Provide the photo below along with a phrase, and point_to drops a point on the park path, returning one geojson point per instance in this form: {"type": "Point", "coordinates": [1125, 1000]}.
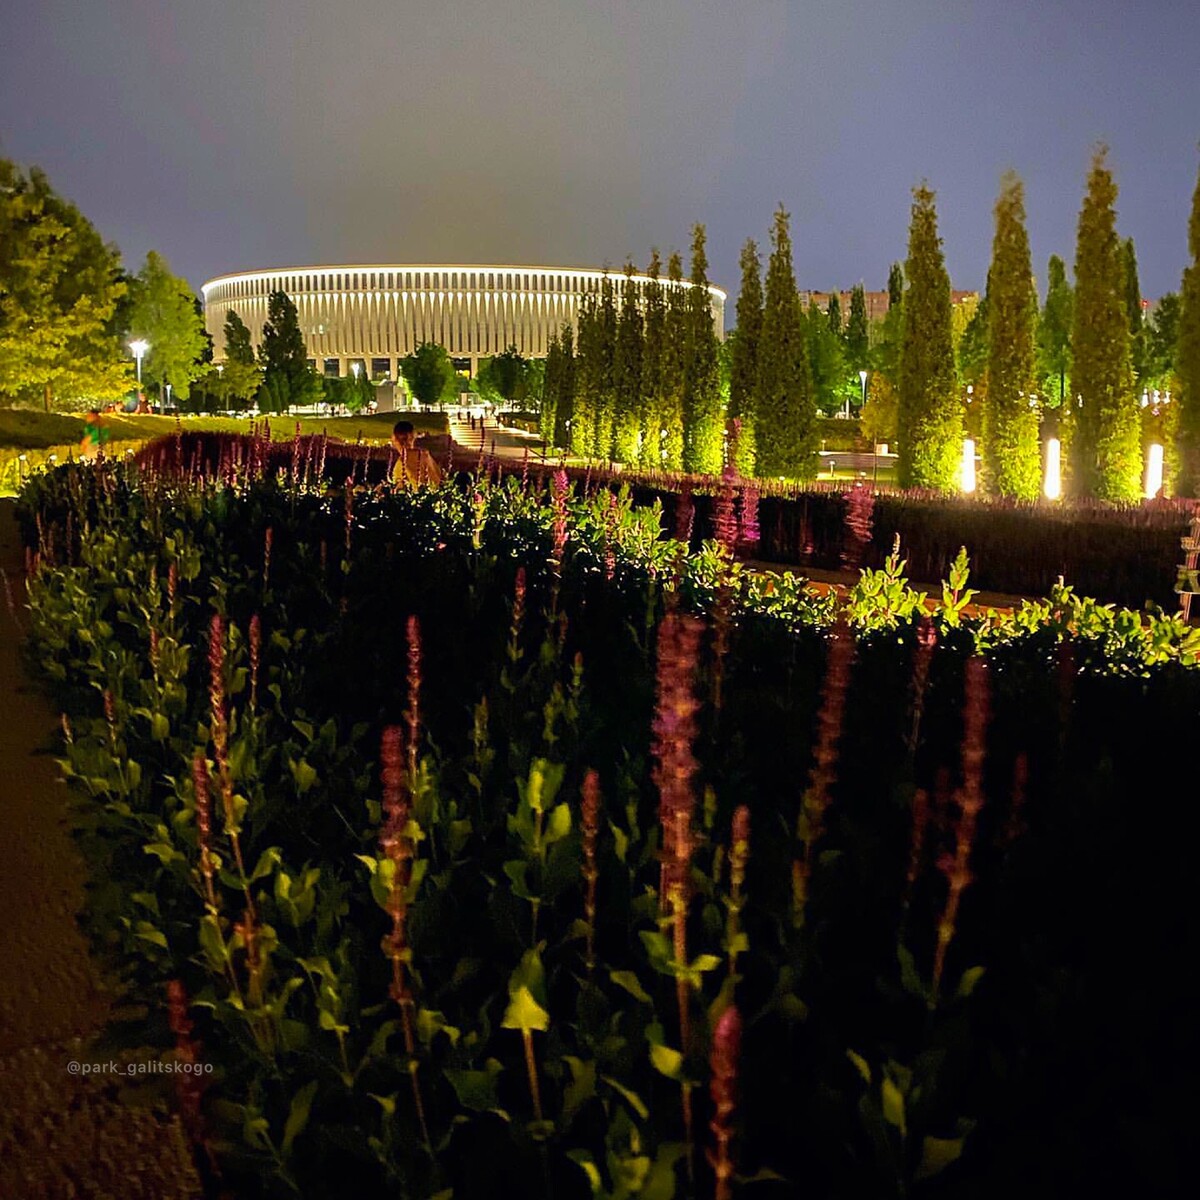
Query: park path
{"type": "Point", "coordinates": [62, 1135]}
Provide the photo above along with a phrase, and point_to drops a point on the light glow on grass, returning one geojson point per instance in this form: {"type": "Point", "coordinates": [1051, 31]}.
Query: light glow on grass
{"type": "Point", "coordinates": [967, 471]}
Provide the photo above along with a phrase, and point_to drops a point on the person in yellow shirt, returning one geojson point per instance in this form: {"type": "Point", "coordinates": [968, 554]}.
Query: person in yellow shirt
{"type": "Point", "coordinates": [415, 466]}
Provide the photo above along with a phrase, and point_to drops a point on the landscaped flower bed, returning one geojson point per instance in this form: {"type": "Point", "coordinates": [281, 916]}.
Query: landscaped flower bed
{"type": "Point", "coordinates": [482, 841]}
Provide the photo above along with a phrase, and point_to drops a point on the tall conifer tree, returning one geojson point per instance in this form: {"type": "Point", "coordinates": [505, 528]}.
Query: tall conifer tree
{"type": "Point", "coordinates": [834, 314]}
{"type": "Point", "coordinates": [858, 333]}
{"type": "Point", "coordinates": [606, 347]}
{"type": "Point", "coordinates": [653, 352]}
{"type": "Point", "coordinates": [550, 385]}
{"type": "Point", "coordinates": [743, 370]}
{"type": "Point", "coordinates": [1105, 440]}
{"type": "Point", "coordinates": [1139, 333]}
{"type": "Point", "coordinates": [674, 365]}
{"type": "Point", "coordinates": [564, 390]}
{"type": "Point", "coordinates": [895, 286]}
{"type": "Point", "coordinates": [627, 372]}
{"type": "Point", "coordinates": [1011, 454]}
{"type": "Point", "coordinates": [784, 407]}
{"type": "Point", "coordinates": [589, 377]}
{"type": "Point", "coordinates": [287, 379]}
{"type": "Point", "coordinates": [1187, 358]}
{"type": "Point", "coordinates": [930, 427]}
{"type": "Point", "coordinates": [702, 431]}
{"type": "Point", "coordinates": [1054, 333]}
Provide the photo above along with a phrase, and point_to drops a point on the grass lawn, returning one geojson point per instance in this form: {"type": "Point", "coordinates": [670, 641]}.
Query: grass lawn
{"type": "Point", "coordinates": [37, 435]}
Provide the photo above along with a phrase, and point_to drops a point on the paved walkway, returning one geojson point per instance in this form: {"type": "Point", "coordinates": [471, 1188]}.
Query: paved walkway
{"type": "Point", "coordinates": [62, 1135]}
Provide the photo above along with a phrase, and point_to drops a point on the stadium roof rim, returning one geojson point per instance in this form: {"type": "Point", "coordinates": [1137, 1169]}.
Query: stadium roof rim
{"type": "Point", "coordinates": [325, 267]}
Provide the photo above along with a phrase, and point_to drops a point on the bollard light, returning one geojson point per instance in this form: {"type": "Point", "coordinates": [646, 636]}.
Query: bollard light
{"type": "Point", "coordinates": [1052, 485]}
{"type": "Point", "coordinates": [1154, 470]}
{"type": "Point", "coordinates": [967, 476]}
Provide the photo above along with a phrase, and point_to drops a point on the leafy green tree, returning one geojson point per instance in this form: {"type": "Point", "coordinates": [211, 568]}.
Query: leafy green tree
{"type": "Point", "coordinates": [654, 351]}
{"type": "Point", "coordinates": [1139, 334]}
{"type": "Point", "coordinates": [1163, 342]}
{"type": "Point", "coordinates": [858, 333]}
{"type": "Point", "coordinates": [784, 406]}
{"type": "Point", "coordinates": [930, 427]}
{"type": "Point", "coordinates": [1054, 334]}
{"type": "Point", "coordinates": [702, 426]}
{"type": "Point", "coordinates": [1011, 452]}
{"type": "Point", "coordinates": [827, 361]}
{"type": "Point", "coordinates": [673, 367]}
{"type": "Point", "coordinates": [1105, 449]}
{"type": "Point", "coordinates": [428, 373]}
{"type": "Point", "coordinates": [1187, 359]}
{"type": "Point", "coordinates": [627, 373]}
{"type": "Point", "coordinates": [743, 363]}
{"type": "Point", "coordinates": [60, 291]}
{"type": "Point", "coordinates": [503, 375]}
{"type": "Point", "coordinates": [287, 378]}
{"type": "Point", "coordinates": [241, 376]}
{"type": "Point", "coordinates": [534, 385]}
{"type": "Point", "coordinates": [163, 311]}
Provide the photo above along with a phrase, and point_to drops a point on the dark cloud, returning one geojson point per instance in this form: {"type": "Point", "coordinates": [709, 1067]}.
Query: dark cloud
{"type": "Point", "coordinates": [232, 135]}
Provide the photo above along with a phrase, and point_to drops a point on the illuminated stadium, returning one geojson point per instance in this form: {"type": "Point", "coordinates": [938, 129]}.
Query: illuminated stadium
{"type": "Point", "coordinates": [375, 315]}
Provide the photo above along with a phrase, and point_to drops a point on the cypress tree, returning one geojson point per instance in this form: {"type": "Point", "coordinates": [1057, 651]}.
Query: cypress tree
{"type": "Point", "coordinates": [858, 334]}
{"type": "Point", "coordinates": [1138, 339]}
{"type": "Point", "coordinates": [1054, 333]}
{"type": "Point", "coordinates": [744, 354]}
{"type": "Point", "coordinates": [627, 373]}
{"type": "Point", "coordinates": [784, 407]}
{"type": "Point", "coordinates": [895, 288]}
{"type": "Point", "coordinates": [674, 364]}
{"type": "Point", "coordinates": [564, 391]}
{"type": "Point", "coordinates": [1187, 358]}
{"type": "Point", "coordinates": [702, 431]}
{"type": "Point", "coordinates": [286, 375]}
{"type": "Point", "coordinates": [240, 378]}
{"type": "Point", "coordinates": [930, 426]}
{"type": "Point", "coordinates": [550, 386]}
{"type": "Point", "coordinates": [606, 353]}
{"type": "Point", "coordinates": [834, 315]}
{"type": "Point", "coordinates": [1105, 451]}
{"type": "Point", "coordinates": [653, 351]}
{"type": "Point", "coordinates": [588, 377]}
{"type": "Point", "coordinates": [1011, 453]}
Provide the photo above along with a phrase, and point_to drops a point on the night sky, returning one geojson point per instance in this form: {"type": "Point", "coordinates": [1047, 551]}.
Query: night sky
{"type": "Point", "coordinates": [570, 132]}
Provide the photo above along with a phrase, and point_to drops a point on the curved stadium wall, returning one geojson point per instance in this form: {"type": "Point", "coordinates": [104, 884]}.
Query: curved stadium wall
{"type": "Point", "coordinates": [378, 314]}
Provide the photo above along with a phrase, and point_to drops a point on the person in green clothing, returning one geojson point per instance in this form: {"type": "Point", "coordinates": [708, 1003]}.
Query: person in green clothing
{"type": "Point", "coordinates": [94, 434]}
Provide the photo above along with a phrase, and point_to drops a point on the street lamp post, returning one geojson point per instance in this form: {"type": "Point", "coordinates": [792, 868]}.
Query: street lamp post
{"type": "Point", "coordinates": [139, 346]}
{"type": "Point", "coordinates": [862, 378]}
{"type": "Point", "coordinates": [168, 395]}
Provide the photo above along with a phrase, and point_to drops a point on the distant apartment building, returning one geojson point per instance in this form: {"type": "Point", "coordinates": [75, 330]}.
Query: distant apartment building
{"type": "Point", "coordinates": [877, 302]}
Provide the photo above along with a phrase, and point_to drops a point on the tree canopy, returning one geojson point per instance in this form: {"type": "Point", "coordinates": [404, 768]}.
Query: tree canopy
{"type": "Point", "coordinates": [60, 287]}
{"type": "Point", "coordinates": [163, 312]}
{"type": "Point", "coordinates": [428, 372]}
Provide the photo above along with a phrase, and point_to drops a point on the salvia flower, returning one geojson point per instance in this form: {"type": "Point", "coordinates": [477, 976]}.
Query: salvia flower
{"type": "Point", "coordinates": [558, 504]}
{"type": "Point", "coordinates": [590, 825]}
{"type": "Point", "coordinates": [189, 1084]}
{"type": "Point", "coordinates": [723, 1065]}
{"type": "Point", "coordinates": [956, 867]}
{"type": "Point", "coordinates": [749, 534]}
{"type": "Point", "coordinates": [412, 714]}
{"type": "Point", "coordinates": [739, 857]}
{"type": "Point", "coordinates": [811, 822]}
{"type": "Point", "coordinates": [255, 657]}
{"type": "Point", "coordinates": [859, 519]}
{"type": "Point", "coordinates": [268, 537]}
{"type": "Point", "coordinates": [204, 826]}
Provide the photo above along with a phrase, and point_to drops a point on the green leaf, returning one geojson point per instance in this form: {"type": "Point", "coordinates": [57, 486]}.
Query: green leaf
{"type": "Point", "coordinates": [893, 1105]}
{"type": "Point", "coordinates": [476, 1090]}
{"type": "Point", "coordinates": [268, 859]}
{"type": "Point", "coordinates": [148, 933]}
{"type": "Point", "coordinates": [581, 1088]}
{"type": "Point", "coordinates": [297, 1117]}
{"type": "Point", "coordinates": [631, 1097]}
{"type": "Point", "coordinates": [666, 1061]}
{"type": "Point", "coordinates": [970, 977]}
{"type": "Point", "coordinates": [629, 981]}
{"type": "Point", "coordinates": [559, 824]}
{"type": "Point", "coordinates": [304, 775]}
{"type": "Point", "coordinates": [937, 1154]}
{"type": "Point", "coordinates": [863, 1066]}
{"type": "Point", "coordinates": [525, 1013]}
{"type": "Point", "coordinates": [160, 727]}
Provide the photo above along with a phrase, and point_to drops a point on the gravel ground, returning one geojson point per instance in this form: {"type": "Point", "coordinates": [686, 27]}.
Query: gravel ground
{"type": "Point", "coordinates": [62, 1135]}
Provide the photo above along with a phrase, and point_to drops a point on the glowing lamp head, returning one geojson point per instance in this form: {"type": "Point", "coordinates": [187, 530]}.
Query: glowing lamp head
{"type": "Point", "coordinates": [1052, 485]}
{"type": "Point", "coordinates": [139, 346]}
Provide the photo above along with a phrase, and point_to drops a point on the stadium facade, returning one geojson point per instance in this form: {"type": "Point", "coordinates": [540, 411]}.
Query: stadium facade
{"type": "Point", "coordinates": [375, 315]}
